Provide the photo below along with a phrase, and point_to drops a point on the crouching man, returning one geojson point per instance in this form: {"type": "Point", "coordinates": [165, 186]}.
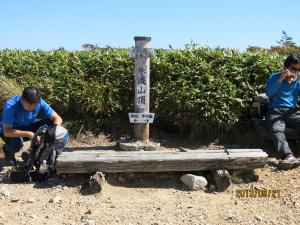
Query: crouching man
{"type": "Point", "coordinates": [19, 121]}
{"type": "Point", "coordinates": [283, 89]}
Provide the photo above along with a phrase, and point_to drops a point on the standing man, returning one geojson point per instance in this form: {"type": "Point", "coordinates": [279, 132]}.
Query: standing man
{"type": "Point", "coordinates": [19, 121]}
{"type": "Point", "coordinates": [283, 89]}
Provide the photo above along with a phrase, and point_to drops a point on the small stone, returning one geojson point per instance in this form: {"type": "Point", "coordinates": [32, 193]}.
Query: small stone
{"type": "Point", "coordinates": [86, 220]}
{"type": "Point", "coordinates": [31, 200]}
{"type": "Point", "coordinates": [64, 187]}
{"type": "Point", "coordinates": [15, 200]}
{"type": "Point", "coordinates": [133, 145]}
{"type": "Point", "coordinates": [194, 182]}
{"type": "Point", "coordinates": [113, 206]}
{"type": "Point", "coordinates": [296, 204]}
{"type": "Point", "coordinates": [34, 216]}
{"type": "Point", "coordinates": [89, 222]}
{"type": "Point", "coordinates": [5, 192]}
{"type": "Point", "coordinates": [89, 212]}
{"type": "Point", "coordinates": [151, 146]}
{"type": "Point", "coordinates": [230, 216]}
{"type": "Point", "coordinates": [258, 217]}
{"type": "Point", "coordinates": [56, 199]}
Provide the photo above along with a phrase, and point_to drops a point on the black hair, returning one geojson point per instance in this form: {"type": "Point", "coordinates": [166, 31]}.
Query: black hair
{"type": "Point", "coordinates": [291, 59]}
{"type": "Point", "coordinates": [31, 95]}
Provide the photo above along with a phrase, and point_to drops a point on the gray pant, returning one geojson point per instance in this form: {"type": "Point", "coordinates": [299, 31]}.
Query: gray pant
{"type": "Point", "coordinates": [277, 120]}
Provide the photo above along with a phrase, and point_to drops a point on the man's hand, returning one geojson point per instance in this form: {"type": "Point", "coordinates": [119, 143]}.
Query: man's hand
{"type": "Point", "coordinates": [8, 131]}
{"type": "Point", "coordinates": [286, 74]}
{"type": "Point", "coordinates": [30, 135]}
{"type": "Point", "coordinates": [38, 139]}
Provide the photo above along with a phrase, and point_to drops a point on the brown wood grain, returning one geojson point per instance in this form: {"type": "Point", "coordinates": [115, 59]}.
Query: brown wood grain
{"type": "Point", "coordinates": [159, 161]}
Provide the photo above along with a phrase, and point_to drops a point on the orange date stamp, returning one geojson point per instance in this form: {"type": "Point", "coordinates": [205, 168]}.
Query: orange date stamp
{"type": "Point", "coordinates": [257, 193]}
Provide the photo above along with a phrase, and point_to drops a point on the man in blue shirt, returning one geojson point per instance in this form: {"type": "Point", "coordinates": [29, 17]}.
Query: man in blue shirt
{"type": "Point", "coordinates": [19, 120]}
{"type": "Point", "coordinates": [283, 89]}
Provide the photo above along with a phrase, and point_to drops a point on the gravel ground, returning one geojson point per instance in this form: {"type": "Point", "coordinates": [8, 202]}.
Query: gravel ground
{"type": "Point", "coordinates": [151, 199]}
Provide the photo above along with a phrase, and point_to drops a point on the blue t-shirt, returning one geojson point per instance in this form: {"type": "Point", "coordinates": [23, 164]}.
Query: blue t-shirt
{"type": "Point", "coordinates": [15, 115]}
{"type": "Point", "coordinates": [284, 94]}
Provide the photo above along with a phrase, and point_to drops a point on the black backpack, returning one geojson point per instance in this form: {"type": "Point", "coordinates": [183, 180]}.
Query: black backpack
{"type": "Point", "coordinates": [39, 162]}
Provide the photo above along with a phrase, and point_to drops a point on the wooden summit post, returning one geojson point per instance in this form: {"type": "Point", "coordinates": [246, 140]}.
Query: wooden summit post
{"type": "Point", "coordinates": [141, 116]}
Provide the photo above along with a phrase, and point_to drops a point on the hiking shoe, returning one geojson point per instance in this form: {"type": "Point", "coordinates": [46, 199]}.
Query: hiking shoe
{"type": "Point", "coordinates": [289, 162]}
{"type": "Point", "coordinates": [10, 158]}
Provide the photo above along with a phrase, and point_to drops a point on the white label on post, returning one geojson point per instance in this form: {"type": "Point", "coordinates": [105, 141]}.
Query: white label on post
{"type": "Point", "coordinates": [141, 117]}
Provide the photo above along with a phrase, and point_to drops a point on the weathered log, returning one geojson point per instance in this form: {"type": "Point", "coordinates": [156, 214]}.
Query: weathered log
{"type": "Point", "coordinates": [160, 161]}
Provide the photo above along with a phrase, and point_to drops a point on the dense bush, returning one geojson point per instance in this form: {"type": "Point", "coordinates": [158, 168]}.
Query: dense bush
{"type": "Point", "coordinates": [281, 50]}
{"type": "Point", "coordinates": [197, 90]}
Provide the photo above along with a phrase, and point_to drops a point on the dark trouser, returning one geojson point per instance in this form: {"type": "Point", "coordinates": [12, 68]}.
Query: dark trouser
{"type": "Point", "coordinates": [14, 144]}
{"type": "Point", "coordinates": [278, 119]}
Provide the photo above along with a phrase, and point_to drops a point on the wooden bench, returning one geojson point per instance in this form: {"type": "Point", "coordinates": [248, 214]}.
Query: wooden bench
{"type": "Point", "coordinates": [87, 161]}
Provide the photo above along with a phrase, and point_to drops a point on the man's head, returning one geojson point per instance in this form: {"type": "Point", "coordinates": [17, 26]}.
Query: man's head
{"type": "Point", "coordinates": [292, 63]}
{"type": "Point", "coordinates": [31, 96]}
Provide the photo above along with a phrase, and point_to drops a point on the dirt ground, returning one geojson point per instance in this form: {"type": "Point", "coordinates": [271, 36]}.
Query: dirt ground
{"type": "Point", "coordinates": [150, 199]}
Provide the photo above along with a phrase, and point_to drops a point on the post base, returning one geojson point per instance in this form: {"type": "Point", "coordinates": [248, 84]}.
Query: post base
{"type": "Point", "coordinates": [134, 145]}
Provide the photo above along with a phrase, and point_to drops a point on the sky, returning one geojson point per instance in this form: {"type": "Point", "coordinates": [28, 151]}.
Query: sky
{"type": "Point", "coordinates": [50, 24]}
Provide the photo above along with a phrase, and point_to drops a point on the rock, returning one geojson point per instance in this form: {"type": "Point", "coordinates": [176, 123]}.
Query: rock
{"type": "Point", "coordinates": [151, 146]}
{"type": "Point", "coordinates": [86, 220]}
{"type": "Point", "coordinates": [259, 217]}
{"type": "Point", "coordinates": [194, 182]}
{"type": "Point", "coordinates": [244, 175]}
{"type": "Point", "coordinates": [34, 216]}
{"type": "Point", "coordinates": [108, 200]}
{"type": "Point", "coordinates": [15, 200]}
{"type": "Point", "coordinates": [56, 199]}
{"type": "Point", "coordinates": [132, 145]}
{"type": "Point", "coordinates": [95, 184]}
{"type": "Point", "coordinates": [5, 192]}
{"type": "Point", "coordinates": [31, 200]}
{"type": "Point", "coordinates": [221, 179]}
{"type": "Point", "coordinates": [89, 212]}
{"type": "Point", "coordinates": [231, 216]}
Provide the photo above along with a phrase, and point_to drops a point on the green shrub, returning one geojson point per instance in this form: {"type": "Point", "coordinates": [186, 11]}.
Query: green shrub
{"type": "Point", "coordinates": [199, 91]}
